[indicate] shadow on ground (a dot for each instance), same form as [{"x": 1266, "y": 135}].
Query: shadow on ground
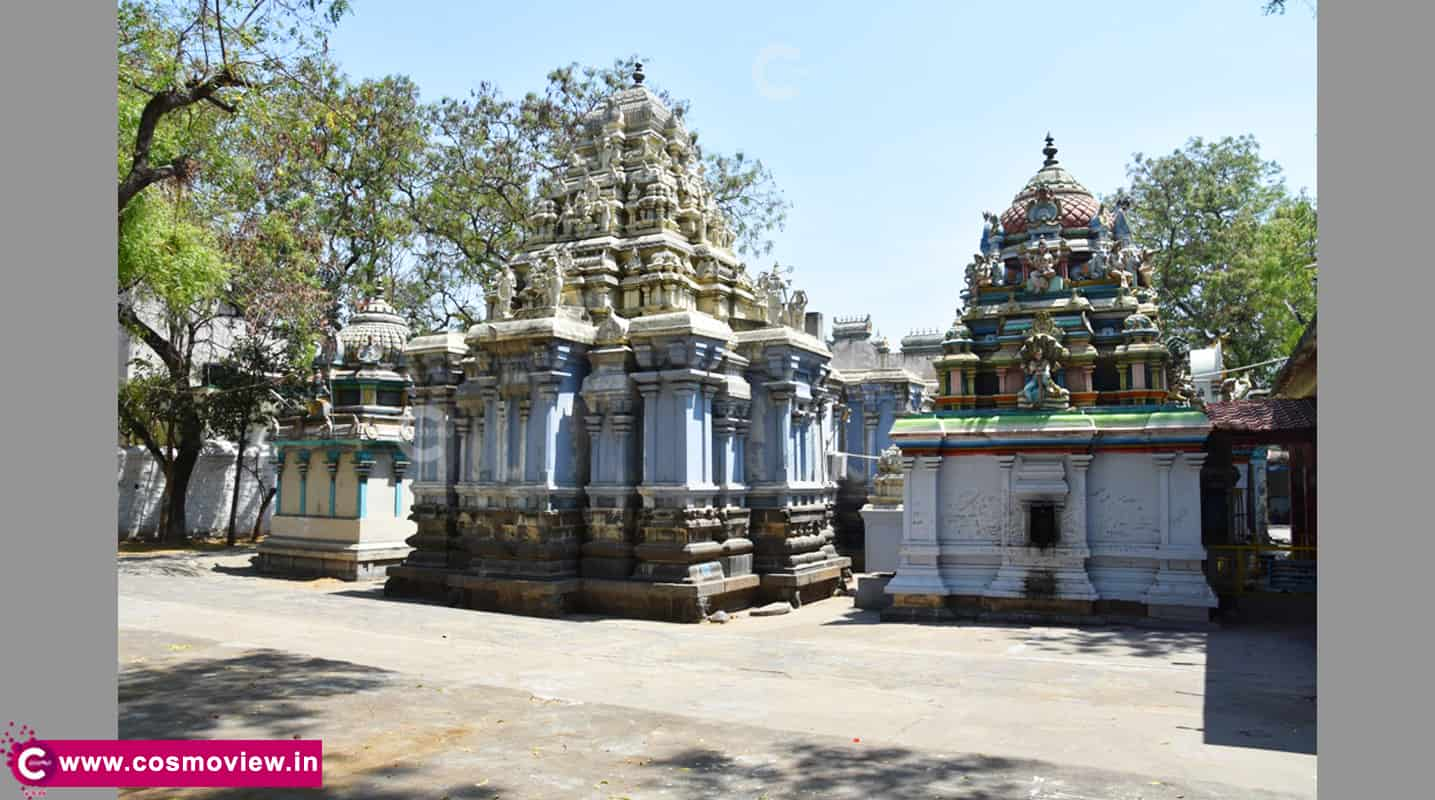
[
  {"x": 1252, "y": 697},
  {"x": 810, "y": 770},
  {"x": 170, "y": 564},
  {"x": 1254, "y": 700},
  {"x": 365, "y": 785},
  {"x": 266, "y": 690}
]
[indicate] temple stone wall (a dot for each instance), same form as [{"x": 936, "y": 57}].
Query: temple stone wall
[{"x": 141, "y": 487}]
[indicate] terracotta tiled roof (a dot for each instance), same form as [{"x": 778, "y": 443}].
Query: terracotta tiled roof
[{"x": 1266, "y": 415}]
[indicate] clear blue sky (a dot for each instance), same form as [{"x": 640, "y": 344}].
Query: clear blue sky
[{"x": 892, "y": 126}]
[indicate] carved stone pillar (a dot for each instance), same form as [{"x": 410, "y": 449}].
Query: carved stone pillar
[{"x": 918, "y": 585}]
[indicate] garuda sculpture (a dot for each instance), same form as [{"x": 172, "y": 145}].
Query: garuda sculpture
[{"x": 1041, "y": 353}]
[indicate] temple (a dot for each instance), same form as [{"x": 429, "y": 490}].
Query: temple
[
  {"x": 1060, "y": 473},
  {"x": 639, "y": 427},
  {"x": 877, "y": 387},
  {"x": 342, "y": 506}
]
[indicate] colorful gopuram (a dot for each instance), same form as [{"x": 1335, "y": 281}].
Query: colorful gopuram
[
  {"x": 639, "y": 427},
  {"x": 1060, "y": 472}
]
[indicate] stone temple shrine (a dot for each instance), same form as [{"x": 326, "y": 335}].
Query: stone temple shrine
[
  {"x": 1060, "y": 471},
  {"x": 639, "y": 427},
  {"x": 343, "y": 500}
]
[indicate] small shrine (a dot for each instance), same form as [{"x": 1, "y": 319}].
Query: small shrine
[
  {"x": 640, "y": 426},
  {"x": 1060, "y": 471},
  {"x": 343, "y": 500}
]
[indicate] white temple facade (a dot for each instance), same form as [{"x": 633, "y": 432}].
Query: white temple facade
[{"x": 1061, "y": 472}]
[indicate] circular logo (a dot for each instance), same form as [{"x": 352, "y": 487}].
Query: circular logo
[{"x": 34, "y": 763}]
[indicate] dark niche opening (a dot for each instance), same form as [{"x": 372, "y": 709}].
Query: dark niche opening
[
  {"x": 346, "y": 396},
  {"x": 1042, "y": 525},
  {"x": 987, "y": 384},
  {"x": 1105, "y": 378}
]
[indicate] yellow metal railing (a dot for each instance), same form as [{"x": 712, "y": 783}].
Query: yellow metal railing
[{"x": 1261, "y": 568}]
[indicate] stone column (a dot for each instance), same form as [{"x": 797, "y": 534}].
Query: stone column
[
  {"x": 479, "y": 420},
  {"x": 400, "y": 466},
  {"x": 1076, "y": 503},
  {"x": 331, "y": 465},
  {"x": 1259, "y": 495},
  {"x": 1006, "y": 463},
  {"x": 500, "y": 443},
  {"x": 708, "y": 475},
  {"x": 1180, "y": 590},
  {"x": 548, "y": 411},
  {"x": 363, "y": 465},
  {"x": 1162, "y": 462},
  {"x": 303, "y": 466},
  {"x": 870, "y": 413},
  {"x": 462, "y": 428},
  {"x": 525, "y": 408},
  {"x": 649, "y": 391},
  {"x": 782, "y": 409},
  {"x": 598, "y": 449},
  {"x": 918, "y": 583}
]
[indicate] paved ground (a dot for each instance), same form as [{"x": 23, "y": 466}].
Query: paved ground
[{"x": 418, "y": 700}]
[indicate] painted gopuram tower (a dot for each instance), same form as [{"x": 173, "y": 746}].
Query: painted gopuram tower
[
  {"x": 1060, "y": 472},
  {"x": 639, "y": 427}
]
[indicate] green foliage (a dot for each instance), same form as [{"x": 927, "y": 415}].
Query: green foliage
[
  {"x": 170, "y": 255},
  {"x": 1230, "y": 246}
]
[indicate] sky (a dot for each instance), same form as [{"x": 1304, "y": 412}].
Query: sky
[{"x": 891, "y": 126}]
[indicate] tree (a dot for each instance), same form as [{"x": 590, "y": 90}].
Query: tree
[
  {"x": 192, "y": 80},
  {"x": 195, "y": 60},
  {"x": 1278, "y": 7},
  {"x": 260, "y": 374},
  {"x": 1229, "y": 244}
]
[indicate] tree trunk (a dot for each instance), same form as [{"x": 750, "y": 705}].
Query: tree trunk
[
  {"x": 267, "y": 495},
  {"x": 163, "y": 512},
  {"x": 191, "y": 442},
  {"x": 176, "y": 530},
  {"x": 231, "y": 536}
]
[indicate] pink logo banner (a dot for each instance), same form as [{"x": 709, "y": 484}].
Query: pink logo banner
[{"x": 268, "y": 763}]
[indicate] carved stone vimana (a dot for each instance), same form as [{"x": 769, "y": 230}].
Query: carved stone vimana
[
  {"x": 1060, "y": 473},
  {"x": 639, "y": 427}
]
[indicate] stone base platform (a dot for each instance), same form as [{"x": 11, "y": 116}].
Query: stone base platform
[
  {"x": 809, "y": 583},
  {"x": 668, "y": 602},
  {"x": 423, "y": 582},
  {"x": 931, "y": 607},
  {"x": 528, "y": 597},
  {"x": 347, "y": 564}
]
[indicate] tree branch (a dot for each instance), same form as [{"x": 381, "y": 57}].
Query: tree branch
[{"x": 142, "y": 173}]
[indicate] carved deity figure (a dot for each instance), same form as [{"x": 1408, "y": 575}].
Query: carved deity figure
[
  {"x": 1041, "y": 354},
  {"x": 370, "y": 352},
  {"x": 1122, "y": 259},
  {"x": 503, "y": 294},
  {"x": 979, "y": 274},
  {"x": 890, "y": 461},
  {"x": 610, "y": 151},
  {"x": 544, "y": 218},
  {"x": 1100, "y": 257},
  {"x": 771, "y": 290},
  {"x": 796, "y": 309},
  {"x": 991, "y": 232}
]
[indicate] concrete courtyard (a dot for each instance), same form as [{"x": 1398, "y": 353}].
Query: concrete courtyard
[{"x": 424, "y": 701}]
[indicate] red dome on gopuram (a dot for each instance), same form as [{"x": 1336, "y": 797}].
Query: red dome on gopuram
[{"x": 1075, "y": 206}]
